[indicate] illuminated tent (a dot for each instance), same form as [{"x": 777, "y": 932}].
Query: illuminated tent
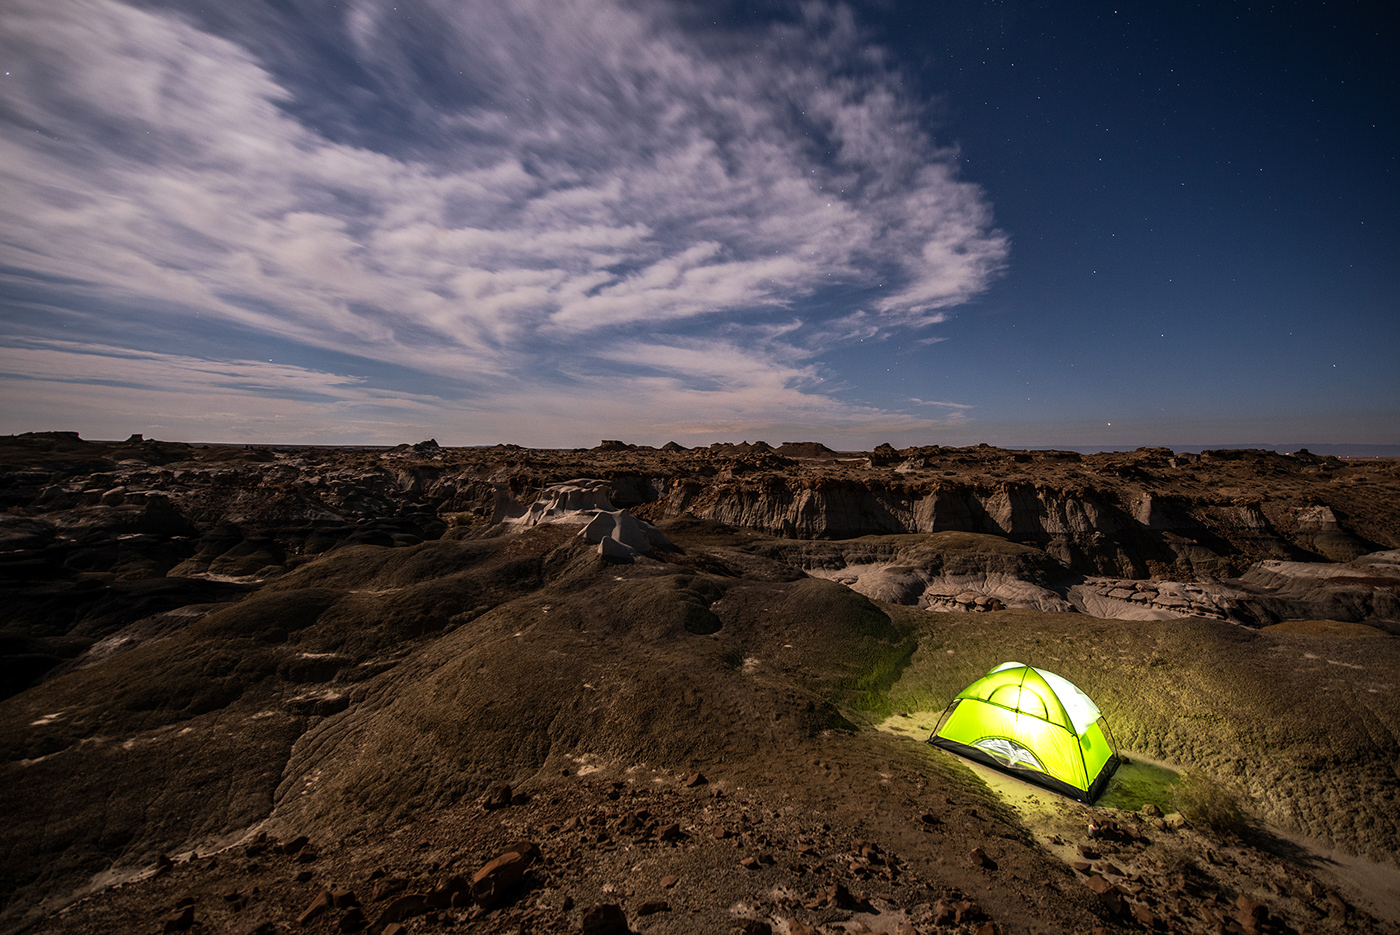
[{"x": 1032, "y": 724}]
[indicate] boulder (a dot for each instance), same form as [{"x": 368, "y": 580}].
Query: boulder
[
  {"x": 491, "y": 884},
  {"x": 497, "y": 796}
]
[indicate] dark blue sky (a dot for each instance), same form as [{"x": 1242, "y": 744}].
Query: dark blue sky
[{"x": 548, "y": 223}]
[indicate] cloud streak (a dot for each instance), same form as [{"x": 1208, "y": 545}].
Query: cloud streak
[{"x": 523, "y": 199}]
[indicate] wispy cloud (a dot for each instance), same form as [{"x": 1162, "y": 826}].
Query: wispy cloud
[{"x": 519, "y": 198}]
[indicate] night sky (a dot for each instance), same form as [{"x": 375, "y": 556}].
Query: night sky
[{"x": 549, "y": 222}]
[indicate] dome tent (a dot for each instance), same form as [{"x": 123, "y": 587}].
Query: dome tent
[{"x": 1035, "y": 725}]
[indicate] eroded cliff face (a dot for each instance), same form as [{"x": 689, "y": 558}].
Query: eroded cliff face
[
  {"x": 1148, "y": 513},
  {"x": 1120, "y": 529}
]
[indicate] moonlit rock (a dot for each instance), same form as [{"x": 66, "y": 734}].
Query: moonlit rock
[{"x": 618, "y": 534}]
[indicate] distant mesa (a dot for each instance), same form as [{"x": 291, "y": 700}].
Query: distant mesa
[
  {"x": 805, "y": 450},
  {"x": 673, "y": 447}
]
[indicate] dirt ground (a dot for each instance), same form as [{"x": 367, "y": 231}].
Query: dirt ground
[{"x": 711, "y": 742}]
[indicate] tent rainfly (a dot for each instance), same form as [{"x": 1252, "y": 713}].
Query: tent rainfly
[{"x": 1035, "y": 725}]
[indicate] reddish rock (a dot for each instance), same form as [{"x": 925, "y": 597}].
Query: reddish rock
[
  {"x": 966, "y": 910},
  {"x": 180, "y": 920},
  {"x": 453, "y": 891},
  {"x": 295, "y": 844},
  {"x": 352, "y": 920},
  {"x": 319, "y": 905},
  {"x": 492, "y": 882},
  {"x": 604, "y": 919},
  {"x": 749, "y": 863},
  {"x": 669, "y": 881},
  {"x": 1251, "y": 914},
  {"x": 405, "y": 907},
  {"x": 980, "y": 859},
  {"x": 1144, "y": 916},
  {"x": 497, "y": 796},
  {"x": 943, "y": 912},
  {"x": 694, "y": 779}
]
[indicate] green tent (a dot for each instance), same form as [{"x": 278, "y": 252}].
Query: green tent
[{"x": 1033, "y": 724}]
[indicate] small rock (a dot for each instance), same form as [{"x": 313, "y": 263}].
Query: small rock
[
  {"x": 1088, "y": 853},
  {"x": 1112, "y": 870},
  {"x": 295, "y": 844},
  {"x": 393, "y": 928},
  {"x": 318, "y": 905},
  {"x": 604, "y": 919},
  {"x": 1083, "y": 866},
  {"x": 988, "y": 928},
  {"x": 980, "y": 859},
  {"x": 405, "y": 907},
  {"x": 497, "y": 796},
  {"x": 180, "y": 920},
  {"x": 1174, "y": 820},
  {"x": 1145, "y": 917},
  {"x": 1251, "y": 914},
  {"x": 694, "y": 779},
  {"x": 669, "y": 832},
  {"x": 1151, "y": 811},
  {"x": 653, "y": 907},
  {"x": 304, "y": 876},
  {"x": 798, "y": 927},
  {"x": 352, "y": 920},
  {"x": 453, "y": 891},
  {"x": 755, "y": 927},
  {"x": 749, "y": 863},
  {"x": 669, "y": 881},
  {"x": 342, "y": 898},
  {"x": 307, "y": 854}
]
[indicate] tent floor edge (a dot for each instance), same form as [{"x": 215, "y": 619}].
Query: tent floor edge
[{"x": 1034, "y": 776}]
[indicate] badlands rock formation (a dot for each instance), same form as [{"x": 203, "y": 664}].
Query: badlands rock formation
[{"x": 247, "y": 686}]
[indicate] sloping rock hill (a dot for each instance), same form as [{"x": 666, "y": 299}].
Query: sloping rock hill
[{"x": 212, "y": 651}]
